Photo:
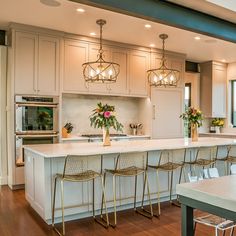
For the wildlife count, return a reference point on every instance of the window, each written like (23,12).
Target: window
(187,95)
(187,103)
(233,102)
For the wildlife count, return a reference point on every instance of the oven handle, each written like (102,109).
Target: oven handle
(22,104)
(36,135)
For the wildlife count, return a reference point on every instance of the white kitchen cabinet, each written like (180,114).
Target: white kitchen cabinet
(167,106)
(36,64)
(76,53)
(138,66)
(120,56)
(48,65)
(213,89)
(26,54)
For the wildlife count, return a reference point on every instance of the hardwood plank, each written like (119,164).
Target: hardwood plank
(18,218)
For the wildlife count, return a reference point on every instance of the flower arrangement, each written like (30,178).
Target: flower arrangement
(193,116)
(104,117)
(218,122)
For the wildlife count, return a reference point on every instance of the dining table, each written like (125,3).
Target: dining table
(216,196)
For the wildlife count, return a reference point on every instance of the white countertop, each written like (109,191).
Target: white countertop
(82,149)
(80,138)
(220,192)
(219,134)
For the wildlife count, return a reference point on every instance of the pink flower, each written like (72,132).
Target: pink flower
(107,114)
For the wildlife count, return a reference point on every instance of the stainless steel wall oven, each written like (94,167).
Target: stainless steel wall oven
(36,122)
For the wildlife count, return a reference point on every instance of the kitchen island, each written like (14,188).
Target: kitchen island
(42,162)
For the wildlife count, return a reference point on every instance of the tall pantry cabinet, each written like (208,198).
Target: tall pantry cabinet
(3,94)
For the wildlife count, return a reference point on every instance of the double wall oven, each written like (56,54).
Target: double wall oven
(36,122)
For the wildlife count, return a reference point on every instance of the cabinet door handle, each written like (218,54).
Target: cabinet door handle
(153,112)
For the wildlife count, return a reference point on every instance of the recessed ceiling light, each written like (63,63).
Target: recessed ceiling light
(223,60)
(81,10)
(147,26)
(93,34)
(51,3)
(197,38)
(152,45)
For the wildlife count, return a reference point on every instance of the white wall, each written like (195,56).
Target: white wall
(77,109)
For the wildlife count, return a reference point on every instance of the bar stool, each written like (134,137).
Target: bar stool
(204,157)
(231,158)
(222,157)
(74,172)
(131,165)
(169,163)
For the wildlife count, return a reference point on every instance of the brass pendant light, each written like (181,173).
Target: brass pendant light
(163,76)
(100,71)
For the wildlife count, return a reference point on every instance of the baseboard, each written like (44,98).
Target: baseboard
(3,180)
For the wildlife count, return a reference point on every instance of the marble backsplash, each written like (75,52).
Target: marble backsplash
(76,109)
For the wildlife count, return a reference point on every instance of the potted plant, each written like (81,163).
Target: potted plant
(104,117)
(194,118)
(217,123)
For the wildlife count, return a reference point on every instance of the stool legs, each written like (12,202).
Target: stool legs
(62,207)
(144,212)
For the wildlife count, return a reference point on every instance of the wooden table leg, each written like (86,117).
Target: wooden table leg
(187,220)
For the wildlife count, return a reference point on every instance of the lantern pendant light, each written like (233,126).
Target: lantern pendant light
(163,76)
(100,71)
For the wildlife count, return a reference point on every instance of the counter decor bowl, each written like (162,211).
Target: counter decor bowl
(104,117)
(194,119)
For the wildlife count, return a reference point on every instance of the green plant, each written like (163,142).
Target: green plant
(218,122)
(192,116)
(104,117)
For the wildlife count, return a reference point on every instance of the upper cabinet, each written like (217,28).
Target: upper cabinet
(138,66)
(213,89)
(48,65)
(36,64)
(26,54)
(75,54)
(120,56)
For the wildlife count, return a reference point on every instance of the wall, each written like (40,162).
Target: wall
(77,109)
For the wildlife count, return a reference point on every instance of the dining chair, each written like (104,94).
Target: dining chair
(75,171)
(233,169)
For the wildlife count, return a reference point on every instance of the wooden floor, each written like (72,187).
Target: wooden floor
(17,218)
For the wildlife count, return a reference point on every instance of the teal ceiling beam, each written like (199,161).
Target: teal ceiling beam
(171,14)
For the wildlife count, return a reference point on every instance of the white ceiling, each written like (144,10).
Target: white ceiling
(121,28)
(225,9)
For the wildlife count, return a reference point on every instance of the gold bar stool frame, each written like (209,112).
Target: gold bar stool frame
(231,157)
(223,158)
(125,166)
(168,165)
(73,172)
(204,157)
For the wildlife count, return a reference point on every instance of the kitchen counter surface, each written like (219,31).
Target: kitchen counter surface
(218,134)
(80,138)
(82,149)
